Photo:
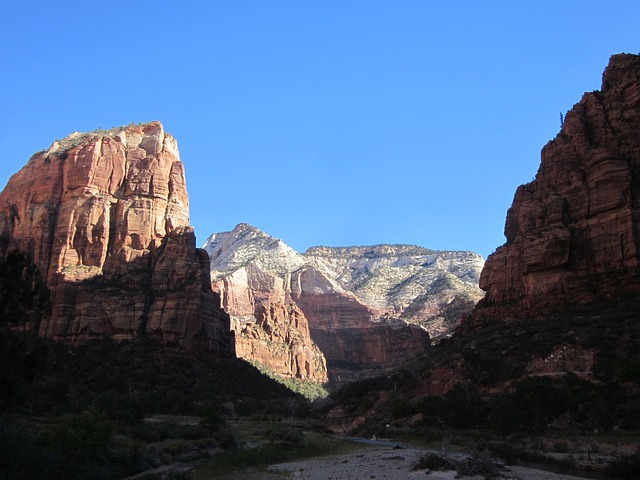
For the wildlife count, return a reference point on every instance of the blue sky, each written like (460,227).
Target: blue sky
(333,123)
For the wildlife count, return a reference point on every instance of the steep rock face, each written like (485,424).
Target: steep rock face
(105,217)
(363,306)
(346,330)
(573,233)
(402,282)
(251,272)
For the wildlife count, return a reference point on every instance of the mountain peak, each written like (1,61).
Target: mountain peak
(242,227)
(230,251)
(368,305)
(111,208)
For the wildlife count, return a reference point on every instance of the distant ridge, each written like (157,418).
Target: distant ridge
(365,306)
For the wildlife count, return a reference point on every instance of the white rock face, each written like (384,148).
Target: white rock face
(369,307)
(395,280)
(230,251)
(422,286)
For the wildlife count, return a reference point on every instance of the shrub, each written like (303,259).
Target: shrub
(211,417)
(465,407)
(480,463)
(627,466)
(20,458)
(560,447)
(149,432)
(506,415)
(288,436)
(539,401)
(401,407)
(433,461)
(24,297)
(85,436)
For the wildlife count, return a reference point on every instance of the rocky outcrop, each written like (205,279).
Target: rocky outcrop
(412,284)
(105,217)
(251,272)
(280,340)
(560,313)
(362,306)
(348,332)
(573,234)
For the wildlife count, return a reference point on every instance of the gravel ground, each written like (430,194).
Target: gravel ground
(379,463)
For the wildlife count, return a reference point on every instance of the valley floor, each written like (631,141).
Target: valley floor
(378,462)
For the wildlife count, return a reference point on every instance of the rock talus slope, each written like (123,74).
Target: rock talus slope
(362,306)
(573,233)
(105,217)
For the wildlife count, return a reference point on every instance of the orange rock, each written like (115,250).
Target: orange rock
(105,217)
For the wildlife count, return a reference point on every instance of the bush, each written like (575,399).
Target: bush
(24,297)
(212,418)
(20,458)
(625,467)
(506,415)
(85,436)
(465,407)
(119,407)
(433,461)
(401,407)
(287,436)
(481,463)
(149,432)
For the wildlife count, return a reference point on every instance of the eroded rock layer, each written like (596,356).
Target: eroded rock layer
(362,306)
(269,327)
(573,233)
(105,217)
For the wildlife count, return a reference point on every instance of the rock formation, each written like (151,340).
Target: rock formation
(402,282)
(573,234)
(558,327)
(251,272)
(105,217)
(364,307)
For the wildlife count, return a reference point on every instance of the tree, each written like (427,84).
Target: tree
(24,297)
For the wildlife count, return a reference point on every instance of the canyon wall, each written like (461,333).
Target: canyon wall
(573,233)
(357,307)
(560,314)
(251,272)
(105,217)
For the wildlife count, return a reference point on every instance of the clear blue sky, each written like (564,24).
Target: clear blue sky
(347,122)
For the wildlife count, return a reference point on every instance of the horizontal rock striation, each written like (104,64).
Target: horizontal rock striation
(573,233)
(403,282)
(362,306)
(251,272)
(105,217)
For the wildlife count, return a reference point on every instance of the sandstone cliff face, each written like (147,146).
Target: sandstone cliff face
(362,306)
(573,233)
(251,272)
(105,217)
(403,282)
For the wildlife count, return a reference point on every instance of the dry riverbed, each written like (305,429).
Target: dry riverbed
(379,462)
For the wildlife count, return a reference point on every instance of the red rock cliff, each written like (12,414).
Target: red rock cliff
(573,234)
(105,216)
(364,309)
(270,329)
